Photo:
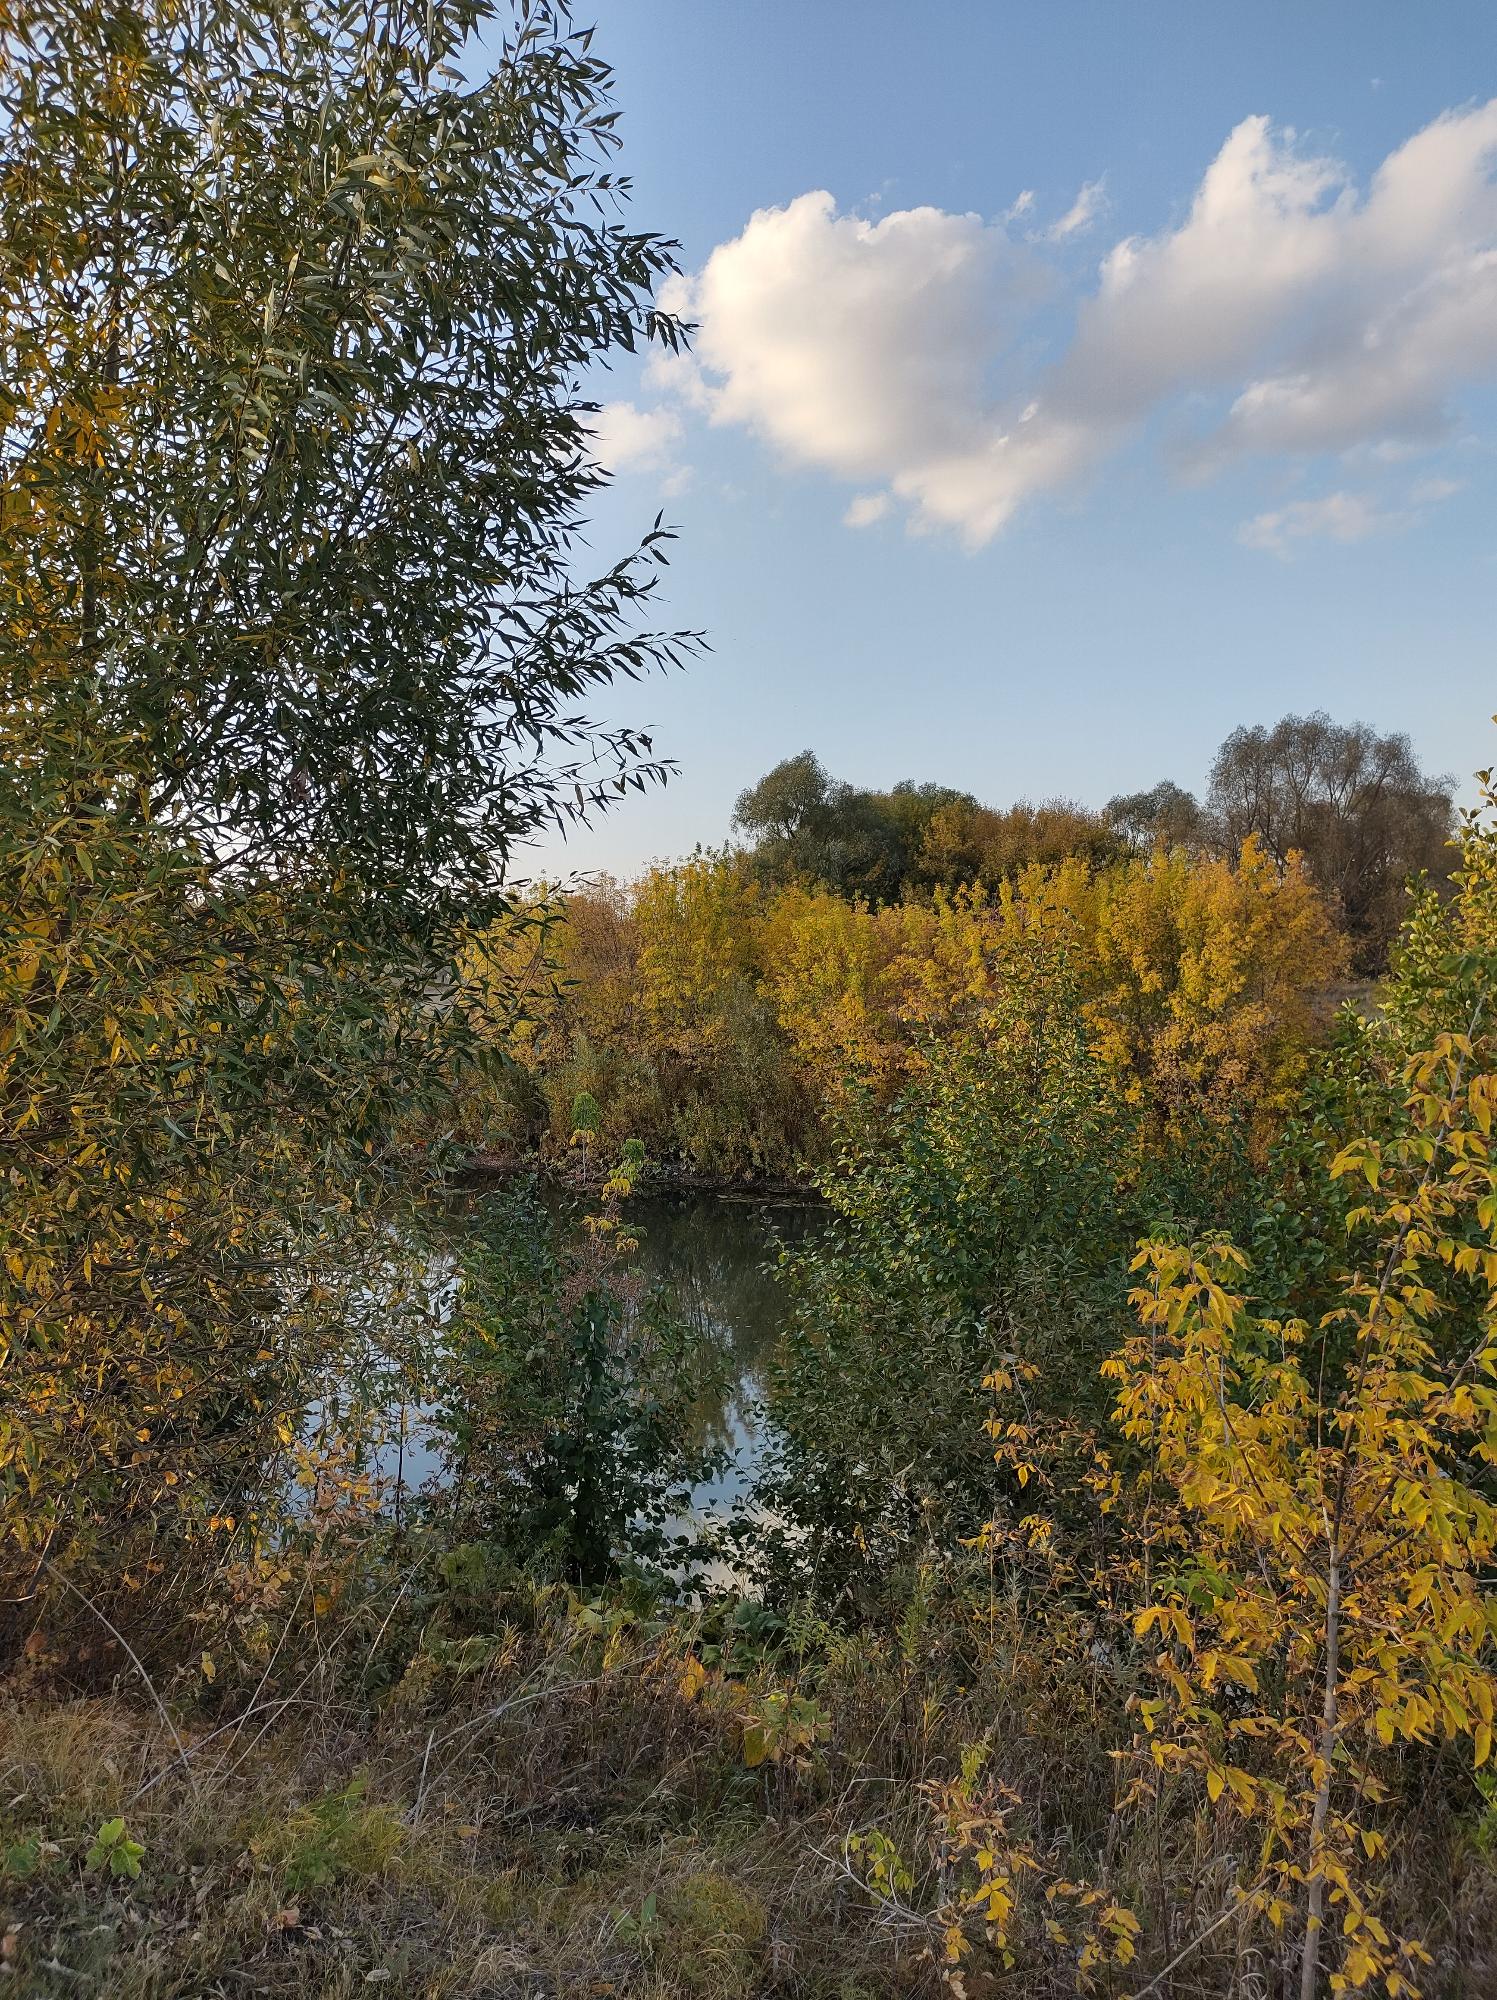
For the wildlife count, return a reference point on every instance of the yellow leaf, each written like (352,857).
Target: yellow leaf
(693,1676)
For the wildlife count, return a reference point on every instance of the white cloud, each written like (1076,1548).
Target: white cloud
(630,439)
(865,348)
(1342,517)
(852,344)
(1287,313)
(1196,306)
(1338,517)
(1082,213)
(866,509)
(1383,306)
(1427,492)
(677,373)
(1022,203)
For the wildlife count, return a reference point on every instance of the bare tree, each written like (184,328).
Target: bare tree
(1355,804)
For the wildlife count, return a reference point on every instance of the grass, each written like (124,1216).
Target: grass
(302,1863)
(558,1810)
(594,1799)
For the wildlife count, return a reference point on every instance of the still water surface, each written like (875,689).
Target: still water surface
(715,1258)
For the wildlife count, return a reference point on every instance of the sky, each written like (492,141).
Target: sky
(1075,381)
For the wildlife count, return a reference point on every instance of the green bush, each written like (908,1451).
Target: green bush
(340,1838)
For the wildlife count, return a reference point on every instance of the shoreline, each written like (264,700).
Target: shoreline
(664,1178)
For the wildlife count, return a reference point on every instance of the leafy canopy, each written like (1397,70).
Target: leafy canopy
(293,318)
(295,314)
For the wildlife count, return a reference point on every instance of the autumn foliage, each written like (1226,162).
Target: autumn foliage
(723,1020)
(1111,1608)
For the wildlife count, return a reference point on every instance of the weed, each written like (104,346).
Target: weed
(341,1838)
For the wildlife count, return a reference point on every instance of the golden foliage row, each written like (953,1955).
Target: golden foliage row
(1202,981)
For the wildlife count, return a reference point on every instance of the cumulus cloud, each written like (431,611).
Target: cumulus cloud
(1288,312)
(1383,305)
(867,349)
(852,344)
(630,439)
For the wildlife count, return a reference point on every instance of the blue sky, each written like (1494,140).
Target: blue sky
(1108,513)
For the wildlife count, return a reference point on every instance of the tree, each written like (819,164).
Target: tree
(1325,1490)
(810,827)
(293,320)
(1207,973)
(292,461)
(786,801)
(1355,804)
(1164,816)
(567,1390)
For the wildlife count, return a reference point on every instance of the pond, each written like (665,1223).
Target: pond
(714,1258)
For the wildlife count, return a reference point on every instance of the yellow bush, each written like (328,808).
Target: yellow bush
(1201,979)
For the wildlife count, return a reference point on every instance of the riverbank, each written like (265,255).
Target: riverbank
(658,1177)
(542,1795)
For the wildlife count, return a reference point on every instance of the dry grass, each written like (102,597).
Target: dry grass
(314,1861)
(558,1810)
(560,1806)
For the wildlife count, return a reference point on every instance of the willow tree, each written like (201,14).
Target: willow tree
(297,309)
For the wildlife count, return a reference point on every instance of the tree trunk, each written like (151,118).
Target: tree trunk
(1309,1972)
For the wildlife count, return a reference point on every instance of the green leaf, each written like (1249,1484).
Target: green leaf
(22,1859)
(113,1848)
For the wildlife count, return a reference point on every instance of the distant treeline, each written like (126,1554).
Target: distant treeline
(726,1010)
(1356,805)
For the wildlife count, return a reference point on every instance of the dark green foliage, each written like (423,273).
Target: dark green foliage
(567,1395)
(316,308)
(1164,816)
(991,1210)
(807,826)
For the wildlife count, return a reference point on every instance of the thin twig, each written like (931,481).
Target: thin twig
(1184,1953)
(89,1605)
(431,1737)
(224,1729)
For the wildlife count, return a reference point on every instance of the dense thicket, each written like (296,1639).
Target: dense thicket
(803,826)
(722,1020)
(292,643)
(1355,806)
